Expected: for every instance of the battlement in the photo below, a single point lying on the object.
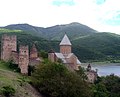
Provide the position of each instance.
(9, 37)
(23, 47)
(23, 50)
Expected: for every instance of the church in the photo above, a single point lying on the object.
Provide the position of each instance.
(65, 55)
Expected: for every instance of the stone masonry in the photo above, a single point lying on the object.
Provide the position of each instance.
(8, 44)
(21, 57)
(65, 55)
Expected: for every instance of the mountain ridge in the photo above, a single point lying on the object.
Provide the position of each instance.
(55, 32)
(89, 45)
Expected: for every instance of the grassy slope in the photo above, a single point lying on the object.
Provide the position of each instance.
(8, 30)
(17, 81)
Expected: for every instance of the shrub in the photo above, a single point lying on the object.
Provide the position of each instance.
(8, 91)
(13, 66)
(43, 54)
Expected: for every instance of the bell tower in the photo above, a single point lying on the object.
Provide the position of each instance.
(65, 45)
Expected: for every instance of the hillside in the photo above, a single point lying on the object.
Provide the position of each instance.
(55, 32)
(90, 46)
(4, 30)
(104, 45)
(17, 81)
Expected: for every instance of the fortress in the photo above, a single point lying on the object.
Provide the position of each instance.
(22, 57)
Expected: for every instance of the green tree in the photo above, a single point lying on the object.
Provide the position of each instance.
(100, 90)
(112, 83)
(55, 80)
(13, 66)
(81, 73)
(108, 86)
(43, 54)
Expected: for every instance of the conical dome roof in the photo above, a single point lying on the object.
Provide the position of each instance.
(33, 49)
(65, 41)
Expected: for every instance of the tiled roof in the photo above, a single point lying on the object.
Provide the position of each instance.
(59, 55)
(65, 41)
(33, 49)
(63, 58)
(69, 55)
(51, 51)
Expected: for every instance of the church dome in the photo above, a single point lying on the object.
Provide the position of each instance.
(65, 41)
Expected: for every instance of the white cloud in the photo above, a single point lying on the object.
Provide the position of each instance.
(43, 13)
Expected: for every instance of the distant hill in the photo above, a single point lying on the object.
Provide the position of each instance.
(104, 45)
(73, 30)
(87, 43)
(26, 28)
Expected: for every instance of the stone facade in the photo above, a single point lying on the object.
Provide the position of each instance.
(15, 57)
(34, 59)
(21, 57)
(8, 44)
(65, 55)
(70, 60)
(51, 56)
(91, 74)
(33, 52)
(65, 49)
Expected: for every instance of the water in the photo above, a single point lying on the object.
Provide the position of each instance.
(106, 69)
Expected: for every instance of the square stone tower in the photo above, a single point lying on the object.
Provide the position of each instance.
(33, 52)
(8, 44)
(23, 59)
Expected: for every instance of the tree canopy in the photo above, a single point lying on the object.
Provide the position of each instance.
(55, 80)
(108, 86)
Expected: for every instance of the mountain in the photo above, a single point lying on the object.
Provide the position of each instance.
(87, 43)
(73, 30)
(26, 28)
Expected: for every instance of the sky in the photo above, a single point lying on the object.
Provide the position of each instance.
(101, 15)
